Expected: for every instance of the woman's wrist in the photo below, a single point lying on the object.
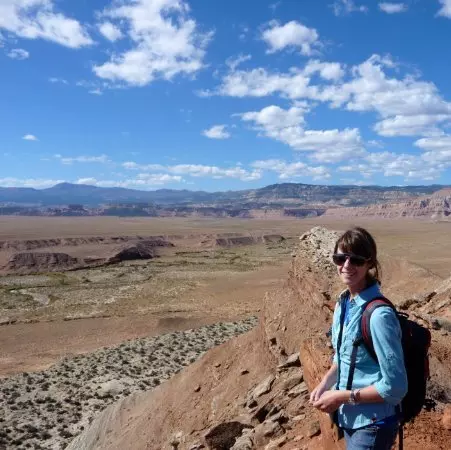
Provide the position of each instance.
(345, 397)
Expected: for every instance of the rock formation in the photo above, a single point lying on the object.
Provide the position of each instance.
(436, 206)
(253, 390)
(41, 262)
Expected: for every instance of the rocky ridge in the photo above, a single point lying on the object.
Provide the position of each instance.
(252, 392)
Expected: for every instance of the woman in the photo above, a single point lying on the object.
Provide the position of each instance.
(366, 412)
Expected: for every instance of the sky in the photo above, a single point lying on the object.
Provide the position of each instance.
(224, 94)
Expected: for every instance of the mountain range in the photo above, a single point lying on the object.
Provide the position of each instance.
(273, 196)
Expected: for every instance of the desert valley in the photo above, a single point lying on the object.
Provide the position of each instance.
(99, 314)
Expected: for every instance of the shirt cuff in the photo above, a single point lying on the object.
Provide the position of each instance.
(387, 393)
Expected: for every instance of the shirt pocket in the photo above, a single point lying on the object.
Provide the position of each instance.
(363, 357)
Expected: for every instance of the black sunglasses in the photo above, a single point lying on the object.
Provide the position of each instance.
(340, 258)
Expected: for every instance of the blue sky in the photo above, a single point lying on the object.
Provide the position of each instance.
(224, 94)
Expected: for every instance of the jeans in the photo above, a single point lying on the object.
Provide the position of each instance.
(372, 437)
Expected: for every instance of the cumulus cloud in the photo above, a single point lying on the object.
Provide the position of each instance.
(435, 143)
(217, 132)
(401, 103)
(287, 126)
(260, 83)
(409, 167)
(393, 8)
(445, 10)
(165, 42)
(140, 182)
(292, 170)
(198, 170)
(110, 31)
(30, 137)
(326, 70)
(405, 106)
(18, 53)
(405, 125)
(37, 19)
(292, 35)
(344, 7)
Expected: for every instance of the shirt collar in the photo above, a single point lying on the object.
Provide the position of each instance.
(372, 291)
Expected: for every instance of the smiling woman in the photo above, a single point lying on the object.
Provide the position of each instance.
(367, 391)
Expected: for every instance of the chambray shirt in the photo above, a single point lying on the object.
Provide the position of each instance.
(388, 375)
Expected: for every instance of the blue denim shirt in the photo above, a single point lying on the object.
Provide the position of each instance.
(388, 374)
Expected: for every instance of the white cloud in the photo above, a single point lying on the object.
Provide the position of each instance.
(403, 104)
(102, 159)
(95, 92)
(435, 143)
(416, 125)
(18, 53)
(217, 132)
(292, 34)
(37, 19)
(260, 83)
(273, 119)
(89, 181)
(287, 126)
(165, 42)
(327, 71)
(28, 182)
(445, 10)
(131, 165)
(56, 80)
(292, 170)
(140, 182)
(30, 137)
(393, 8)
(110, 31)
(234, 61)
(344, 7)
(418, 167)
(198, 170)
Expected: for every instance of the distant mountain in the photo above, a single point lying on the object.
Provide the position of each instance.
(274, 196)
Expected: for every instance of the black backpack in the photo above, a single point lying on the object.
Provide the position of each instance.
(416, 341)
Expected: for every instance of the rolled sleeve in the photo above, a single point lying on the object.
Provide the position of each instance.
(386, 335)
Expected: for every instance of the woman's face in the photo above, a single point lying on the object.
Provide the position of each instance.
(353, 276)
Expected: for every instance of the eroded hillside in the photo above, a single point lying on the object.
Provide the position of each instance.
(252, 391)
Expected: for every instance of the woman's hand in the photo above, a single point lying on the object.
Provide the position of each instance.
(317, 392)
(330, 401)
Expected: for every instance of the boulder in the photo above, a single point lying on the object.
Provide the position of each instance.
(264, 387)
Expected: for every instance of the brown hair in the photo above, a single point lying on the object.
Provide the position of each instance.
(358, 241)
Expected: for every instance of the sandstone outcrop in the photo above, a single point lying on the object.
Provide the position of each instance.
(255, 380)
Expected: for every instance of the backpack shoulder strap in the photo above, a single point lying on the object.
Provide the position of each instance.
(368, 310)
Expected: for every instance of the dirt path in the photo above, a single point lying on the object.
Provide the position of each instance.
(36, 346)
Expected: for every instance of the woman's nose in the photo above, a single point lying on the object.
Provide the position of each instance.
(347, 262)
